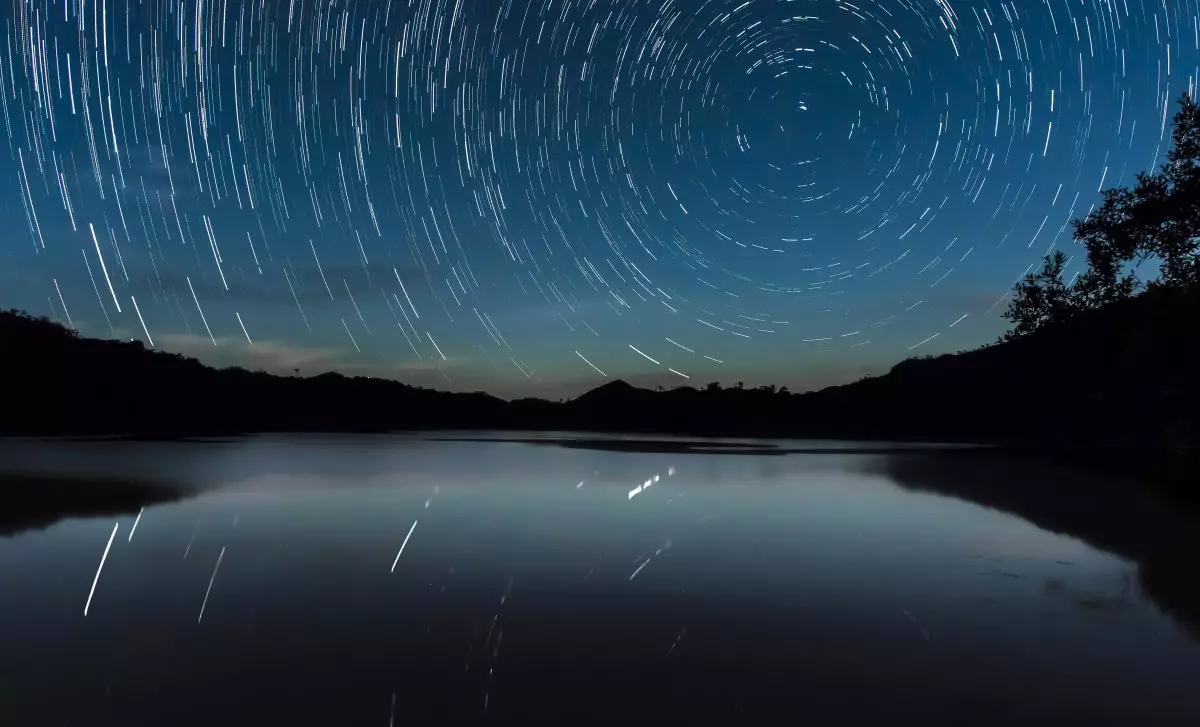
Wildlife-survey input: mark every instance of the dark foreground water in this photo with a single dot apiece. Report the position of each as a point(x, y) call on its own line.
point(400, 580)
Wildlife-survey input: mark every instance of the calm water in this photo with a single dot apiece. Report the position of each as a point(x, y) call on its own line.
point(400, 580)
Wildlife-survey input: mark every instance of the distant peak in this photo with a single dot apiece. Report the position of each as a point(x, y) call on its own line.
point(618, 387)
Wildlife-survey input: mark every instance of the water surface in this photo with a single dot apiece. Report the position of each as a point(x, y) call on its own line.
point(336, 580)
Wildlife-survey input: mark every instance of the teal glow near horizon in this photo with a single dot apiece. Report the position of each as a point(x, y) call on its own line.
point(533, 200)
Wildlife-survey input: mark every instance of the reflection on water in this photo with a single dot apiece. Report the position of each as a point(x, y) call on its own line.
point(1132, 524)
point(399, 580)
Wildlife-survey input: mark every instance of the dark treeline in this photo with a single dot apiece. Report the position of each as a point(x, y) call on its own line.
point(1118, 382)
point(1103, 368)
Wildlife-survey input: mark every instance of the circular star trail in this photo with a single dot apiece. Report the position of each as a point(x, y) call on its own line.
point(561, 191)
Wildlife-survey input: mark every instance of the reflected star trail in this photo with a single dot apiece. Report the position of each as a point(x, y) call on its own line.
point(536, 197)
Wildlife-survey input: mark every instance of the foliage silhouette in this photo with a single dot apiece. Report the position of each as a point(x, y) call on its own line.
point(1041, 298)
point(1157, 220)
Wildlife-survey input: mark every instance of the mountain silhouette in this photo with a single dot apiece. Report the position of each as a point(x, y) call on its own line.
point(1114, 387)
point(612, 391)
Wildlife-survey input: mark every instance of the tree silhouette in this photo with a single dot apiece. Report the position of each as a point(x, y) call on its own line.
point(1111, 236)
point(1040, 298)
point(1157, 220)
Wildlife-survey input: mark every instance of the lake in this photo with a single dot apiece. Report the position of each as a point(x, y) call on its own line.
point(398, 580)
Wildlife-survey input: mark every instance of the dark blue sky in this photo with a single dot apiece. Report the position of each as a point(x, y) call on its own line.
point(518, 196)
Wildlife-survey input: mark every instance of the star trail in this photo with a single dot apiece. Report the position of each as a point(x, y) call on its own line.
point(534, 197)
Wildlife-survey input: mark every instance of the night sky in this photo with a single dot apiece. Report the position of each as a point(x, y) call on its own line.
point(532, 198)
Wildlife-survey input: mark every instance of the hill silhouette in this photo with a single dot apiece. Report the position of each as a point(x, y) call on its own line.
point(1114, 386)
point(1101, 370)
